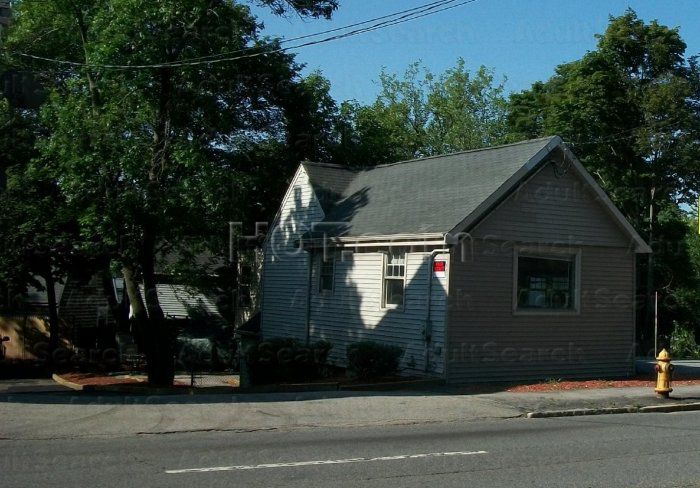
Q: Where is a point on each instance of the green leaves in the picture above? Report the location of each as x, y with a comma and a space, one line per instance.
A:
421, 114
309, 8
630, 111
627, 109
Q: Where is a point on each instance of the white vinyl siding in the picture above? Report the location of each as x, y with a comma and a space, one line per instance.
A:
285, 271
354, 312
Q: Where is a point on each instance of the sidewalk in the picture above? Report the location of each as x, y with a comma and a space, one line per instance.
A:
46, 415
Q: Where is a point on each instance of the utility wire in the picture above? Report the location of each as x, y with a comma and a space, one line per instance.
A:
393, 19
655, 127
357, 24
388, 20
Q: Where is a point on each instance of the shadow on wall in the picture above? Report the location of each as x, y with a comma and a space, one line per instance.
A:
29, 337
354, 311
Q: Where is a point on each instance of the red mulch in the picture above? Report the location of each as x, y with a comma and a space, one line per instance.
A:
92, 379
544, 386
556, 385
98, 380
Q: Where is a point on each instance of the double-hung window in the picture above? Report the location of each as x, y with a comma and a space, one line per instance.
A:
546, 283
326, 273
394, 278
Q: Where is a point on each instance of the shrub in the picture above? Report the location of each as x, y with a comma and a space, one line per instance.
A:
283, 360
683, 343
368, 359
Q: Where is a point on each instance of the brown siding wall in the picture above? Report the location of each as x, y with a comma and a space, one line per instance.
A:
553, 206
487, 341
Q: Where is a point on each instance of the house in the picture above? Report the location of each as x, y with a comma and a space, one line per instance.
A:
86, 321
494, 264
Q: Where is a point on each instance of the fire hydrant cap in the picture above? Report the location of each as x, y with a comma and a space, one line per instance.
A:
664, 355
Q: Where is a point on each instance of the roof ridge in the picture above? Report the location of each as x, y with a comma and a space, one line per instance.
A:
330, 165
360, 169
455, 153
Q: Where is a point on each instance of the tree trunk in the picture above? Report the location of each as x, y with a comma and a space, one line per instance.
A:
162, 372
138, 309
54, 340
155, 339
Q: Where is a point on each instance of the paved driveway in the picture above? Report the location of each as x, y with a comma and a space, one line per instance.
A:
684, 367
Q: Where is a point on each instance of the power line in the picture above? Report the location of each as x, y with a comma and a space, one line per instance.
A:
357, 24
618, 136
387, 21
412, 11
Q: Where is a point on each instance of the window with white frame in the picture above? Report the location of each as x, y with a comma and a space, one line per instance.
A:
326, 273
546, 282
394, 277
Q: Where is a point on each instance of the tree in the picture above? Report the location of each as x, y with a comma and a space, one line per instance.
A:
630, 110
149, 158
38, 233
423, 115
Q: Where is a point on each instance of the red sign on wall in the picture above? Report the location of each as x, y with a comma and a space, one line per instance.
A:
439, 268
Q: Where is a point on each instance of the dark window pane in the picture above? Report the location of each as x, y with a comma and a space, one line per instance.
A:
394, 292
326, 275
545, 283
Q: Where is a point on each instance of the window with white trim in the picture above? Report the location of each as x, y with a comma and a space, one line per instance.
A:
546, 283
394, 277
326, 273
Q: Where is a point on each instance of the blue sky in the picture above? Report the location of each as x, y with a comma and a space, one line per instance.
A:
523, 40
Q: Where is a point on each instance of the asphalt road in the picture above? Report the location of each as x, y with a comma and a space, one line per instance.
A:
614, 450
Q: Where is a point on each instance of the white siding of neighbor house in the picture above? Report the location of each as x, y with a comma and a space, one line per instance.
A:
285, 268
353, 311
488, 341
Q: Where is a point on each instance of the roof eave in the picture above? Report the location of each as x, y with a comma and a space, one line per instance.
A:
379, 240
504, 190
641, 247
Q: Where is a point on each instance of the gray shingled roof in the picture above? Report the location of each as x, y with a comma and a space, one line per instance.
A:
422, 196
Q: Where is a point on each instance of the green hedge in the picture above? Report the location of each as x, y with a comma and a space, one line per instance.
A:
280, 360
368, 359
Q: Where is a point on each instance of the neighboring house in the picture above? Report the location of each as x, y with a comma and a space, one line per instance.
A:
185, 302
197, 314
83, 309
494, 264
206, 287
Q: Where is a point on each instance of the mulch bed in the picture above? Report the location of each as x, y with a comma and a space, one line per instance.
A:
92, 379
563, 385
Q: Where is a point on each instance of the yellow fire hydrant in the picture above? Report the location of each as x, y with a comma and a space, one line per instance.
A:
664, 370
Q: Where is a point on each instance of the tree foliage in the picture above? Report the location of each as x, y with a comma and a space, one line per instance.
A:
38, 231
630, 110
153, 158
421, 114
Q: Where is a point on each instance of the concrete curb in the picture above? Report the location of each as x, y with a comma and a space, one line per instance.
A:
675, 407
278, 388
129, 389
289, 388
394, 385
69, 384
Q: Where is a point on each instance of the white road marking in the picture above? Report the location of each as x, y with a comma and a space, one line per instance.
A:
324, 462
